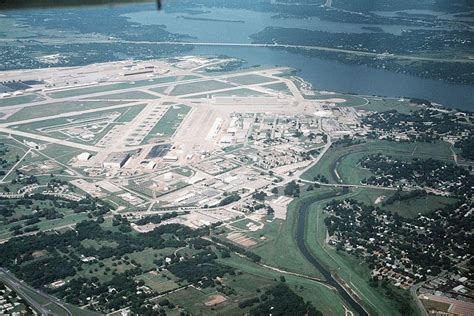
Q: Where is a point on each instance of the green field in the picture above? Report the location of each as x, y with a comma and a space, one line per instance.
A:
20, 100
242, 224
386, 104
249, 79
56, 108
423, 205
132, 95
170, 121
159, 281
344, 159
238, 92
351, 100
184, 171
278, 87
198, 87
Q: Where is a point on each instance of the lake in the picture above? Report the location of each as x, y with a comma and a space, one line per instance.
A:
323, 74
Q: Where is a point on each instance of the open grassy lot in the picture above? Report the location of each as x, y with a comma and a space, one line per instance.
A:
56, 108
238, 92
159, 281
278, 87
340, 163
351, 100
192, 299
411, 207
184, 171
60, 153
98, 244
353, 271
11, 151
377, 104
20, 100
132, 95
242, 224
250, 79
198, 87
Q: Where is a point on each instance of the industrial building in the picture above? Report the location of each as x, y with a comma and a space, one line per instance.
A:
116, 160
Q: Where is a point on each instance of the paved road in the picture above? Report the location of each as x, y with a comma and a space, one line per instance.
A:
311, 47
24, 291
307, 47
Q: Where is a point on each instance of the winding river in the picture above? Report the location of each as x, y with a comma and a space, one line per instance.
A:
302, 210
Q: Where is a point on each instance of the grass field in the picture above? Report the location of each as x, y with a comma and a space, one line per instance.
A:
184, 171
24, 99
344, 266
132, 95
198, 87
56, 108
98, 244
278, 87
344, 159
242, 224
159, 281
250, 79
410, 208
238, 92
385, 104
351, 100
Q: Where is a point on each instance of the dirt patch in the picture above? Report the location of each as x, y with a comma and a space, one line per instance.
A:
215, 300
241, 239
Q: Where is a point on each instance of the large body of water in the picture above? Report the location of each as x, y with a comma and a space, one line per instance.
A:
323, 74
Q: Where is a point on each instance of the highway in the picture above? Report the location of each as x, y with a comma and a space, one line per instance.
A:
275, 45
309, 47
26, 292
